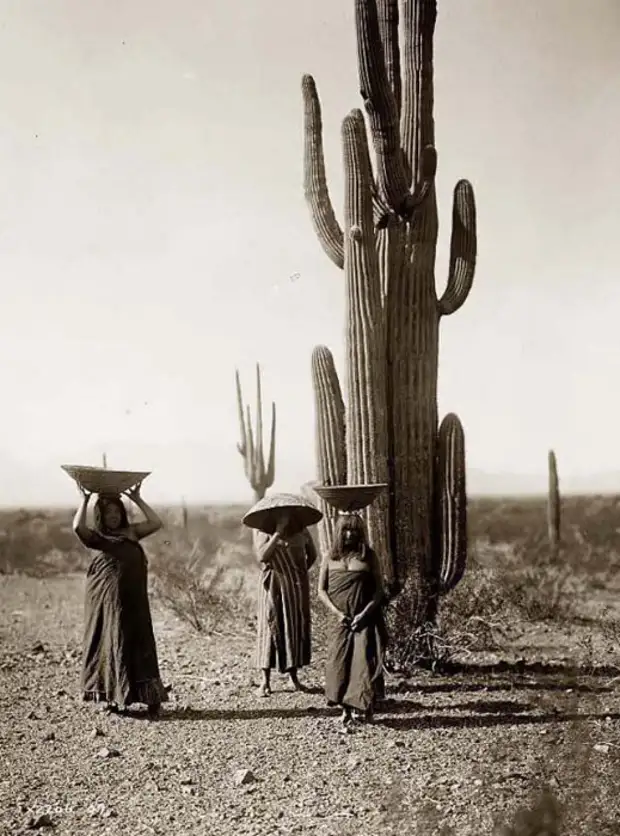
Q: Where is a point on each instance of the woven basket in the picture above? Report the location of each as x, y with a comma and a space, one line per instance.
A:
349, 498
100, 480
267, 512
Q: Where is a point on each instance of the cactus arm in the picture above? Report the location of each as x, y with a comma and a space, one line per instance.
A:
249, 458
271, 462
463, 249
451, 507
259, 461
316, 191
417, 123
329, 435
381, 107
330, 418
388, 17
242, 445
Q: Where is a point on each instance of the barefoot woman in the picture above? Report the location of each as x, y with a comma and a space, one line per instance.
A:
350, 586
283, 640
119, 663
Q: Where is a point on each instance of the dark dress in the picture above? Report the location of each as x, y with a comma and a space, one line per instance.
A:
119, 663
354, 668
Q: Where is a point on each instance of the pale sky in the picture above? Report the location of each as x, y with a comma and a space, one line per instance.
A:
152, 216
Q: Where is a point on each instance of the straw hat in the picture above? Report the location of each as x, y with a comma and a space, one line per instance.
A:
348, 499
100, 480
269, 511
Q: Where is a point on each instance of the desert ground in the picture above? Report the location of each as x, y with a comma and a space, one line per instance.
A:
516, 731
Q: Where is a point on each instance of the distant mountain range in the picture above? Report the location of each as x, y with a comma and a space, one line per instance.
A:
482, 483
25, 484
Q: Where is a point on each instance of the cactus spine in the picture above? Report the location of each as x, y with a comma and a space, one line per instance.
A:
259, 475
553, 503
387, 250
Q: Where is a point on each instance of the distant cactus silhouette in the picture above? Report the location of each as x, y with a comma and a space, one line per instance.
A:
553, 503
259, 474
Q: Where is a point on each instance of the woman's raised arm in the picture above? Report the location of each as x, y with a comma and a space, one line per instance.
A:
153, 521
84, 534
264, 545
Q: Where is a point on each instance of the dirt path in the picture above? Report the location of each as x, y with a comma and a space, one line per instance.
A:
455, 753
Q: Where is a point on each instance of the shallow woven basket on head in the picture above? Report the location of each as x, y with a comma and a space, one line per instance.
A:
100, 480
347, 499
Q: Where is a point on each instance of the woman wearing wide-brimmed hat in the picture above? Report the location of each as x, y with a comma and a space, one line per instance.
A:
119, 665
286, 552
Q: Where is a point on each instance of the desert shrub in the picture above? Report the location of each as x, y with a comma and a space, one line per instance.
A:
40, 544
475, 616
590, 531
205, 581
539, 586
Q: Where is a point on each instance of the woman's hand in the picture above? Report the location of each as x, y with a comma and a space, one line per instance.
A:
356, 622
134, 493
282, 526
86, 495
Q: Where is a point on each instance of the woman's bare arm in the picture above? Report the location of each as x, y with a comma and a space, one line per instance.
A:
264, 545
311, 552
153, 521
81, 530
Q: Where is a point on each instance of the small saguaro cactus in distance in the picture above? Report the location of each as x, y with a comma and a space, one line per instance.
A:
104, 461
259, 474
553, 503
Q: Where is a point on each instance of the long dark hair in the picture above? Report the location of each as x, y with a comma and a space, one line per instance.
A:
354, 523
99, 514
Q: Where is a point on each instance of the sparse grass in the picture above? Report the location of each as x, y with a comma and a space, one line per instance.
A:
517, 601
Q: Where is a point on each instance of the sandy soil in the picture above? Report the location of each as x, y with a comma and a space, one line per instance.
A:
460, 752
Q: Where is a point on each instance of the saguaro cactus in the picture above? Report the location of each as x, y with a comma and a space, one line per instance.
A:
553, 503
259, 474
329, 435
387, 250
104, 461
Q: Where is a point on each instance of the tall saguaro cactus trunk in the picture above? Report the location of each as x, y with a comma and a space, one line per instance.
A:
387, 250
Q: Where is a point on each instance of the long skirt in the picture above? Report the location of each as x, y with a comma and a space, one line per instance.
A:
284, 641
354, 667
119, 663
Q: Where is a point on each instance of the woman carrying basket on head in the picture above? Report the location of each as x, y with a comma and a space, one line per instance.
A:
285, 556
119, 664
351, 587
